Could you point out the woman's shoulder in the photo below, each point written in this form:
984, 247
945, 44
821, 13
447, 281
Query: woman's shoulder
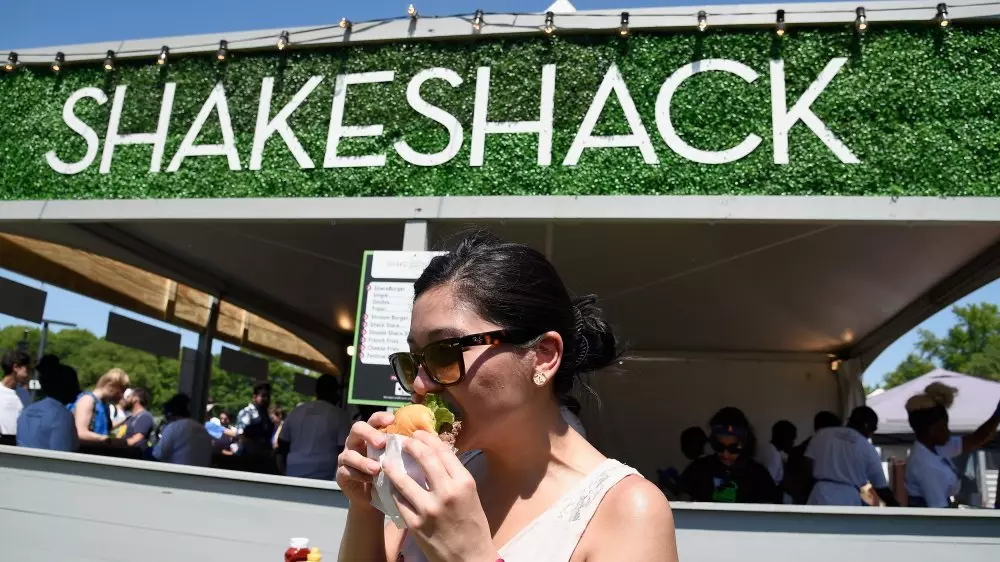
636, 511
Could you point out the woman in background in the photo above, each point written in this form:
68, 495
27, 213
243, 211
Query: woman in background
931, 478
91, 412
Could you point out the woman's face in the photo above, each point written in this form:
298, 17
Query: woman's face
938, 434
497, 388
728, 448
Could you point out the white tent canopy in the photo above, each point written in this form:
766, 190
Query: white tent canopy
975, 402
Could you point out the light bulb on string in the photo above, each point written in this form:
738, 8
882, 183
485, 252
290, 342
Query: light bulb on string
550, 23
702, 21
780, 24
861, 21
942, 15
58, 62
346, 24
161, 59
109, 61
623, 26
11, 64
223, 53
411, 11
477, 20
283, 41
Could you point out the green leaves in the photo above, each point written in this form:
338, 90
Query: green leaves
442, 415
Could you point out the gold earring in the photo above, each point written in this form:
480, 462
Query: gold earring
539, 379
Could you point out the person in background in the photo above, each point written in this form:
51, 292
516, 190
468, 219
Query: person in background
184, 440
843, 462
313, 434
693, 443
774, 453
140, 424
798, 481
47, 424
254, 425
16, 366
277, 414
730, 475
15, 374
118, 412
93, 418
931, 477
569, 409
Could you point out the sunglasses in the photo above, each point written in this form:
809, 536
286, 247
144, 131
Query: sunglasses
443, 361
732, 448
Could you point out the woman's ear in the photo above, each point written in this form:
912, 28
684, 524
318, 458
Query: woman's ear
548, 354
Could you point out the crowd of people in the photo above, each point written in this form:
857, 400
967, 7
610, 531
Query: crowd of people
837, 465
113, 418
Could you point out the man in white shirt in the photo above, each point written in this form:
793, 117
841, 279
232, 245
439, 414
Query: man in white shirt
15, 366
843, 461
314, 433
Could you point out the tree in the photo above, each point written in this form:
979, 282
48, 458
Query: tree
92, 357
971, 346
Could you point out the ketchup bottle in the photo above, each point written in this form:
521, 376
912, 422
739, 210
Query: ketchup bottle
298, 550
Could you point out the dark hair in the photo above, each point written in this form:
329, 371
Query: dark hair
863, 418
921, 421
13, 359
515, 286
277, 411
826, 419
733, 419
693, 440
141, 396
783, 430
59, 382
261, 387
328, 388
179, 406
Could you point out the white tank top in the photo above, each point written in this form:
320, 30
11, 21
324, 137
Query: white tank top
554, 534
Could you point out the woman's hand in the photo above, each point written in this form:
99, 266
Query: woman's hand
447, 521
355, 470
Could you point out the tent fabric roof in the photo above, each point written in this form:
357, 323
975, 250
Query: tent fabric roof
976, 401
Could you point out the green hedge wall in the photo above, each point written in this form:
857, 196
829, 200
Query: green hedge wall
918, 107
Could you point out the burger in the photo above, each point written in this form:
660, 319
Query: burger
433, 416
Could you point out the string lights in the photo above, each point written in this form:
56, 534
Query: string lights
223, 53
861, 21
941, 19
550, 23
942, 15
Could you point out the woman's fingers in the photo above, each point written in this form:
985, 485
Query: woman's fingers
354, 474
409, 513
444, 453
408, 487
363, 434
381, 419
356, 461
427, 457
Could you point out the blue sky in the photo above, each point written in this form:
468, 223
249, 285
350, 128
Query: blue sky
40, 23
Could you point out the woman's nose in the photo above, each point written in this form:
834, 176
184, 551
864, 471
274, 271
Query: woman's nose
424, 385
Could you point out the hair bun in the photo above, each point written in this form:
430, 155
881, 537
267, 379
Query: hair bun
596, 345
936, 394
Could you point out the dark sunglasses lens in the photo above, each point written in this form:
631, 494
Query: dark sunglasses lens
405, 368
734, 448
444, 363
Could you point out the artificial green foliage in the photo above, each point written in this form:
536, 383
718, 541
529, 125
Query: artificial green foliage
917, 105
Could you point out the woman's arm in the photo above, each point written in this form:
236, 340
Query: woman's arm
634, 522
83, 414
364, 535
983, 435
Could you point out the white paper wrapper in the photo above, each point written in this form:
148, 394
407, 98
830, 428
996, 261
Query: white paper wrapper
393, 454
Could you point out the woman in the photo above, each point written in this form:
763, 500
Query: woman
730, 475
495, 331
91, 412
931, 477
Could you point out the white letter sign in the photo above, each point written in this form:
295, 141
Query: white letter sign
613, 82
279, 124
543, 127
666, 126
340, 131
437, 114
783, 120
80, 128
216, 100
157, 139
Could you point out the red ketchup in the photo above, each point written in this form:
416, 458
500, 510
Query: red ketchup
298, 550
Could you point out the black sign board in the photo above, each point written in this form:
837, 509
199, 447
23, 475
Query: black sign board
385, 301
241, 363
144, 337
21, 301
